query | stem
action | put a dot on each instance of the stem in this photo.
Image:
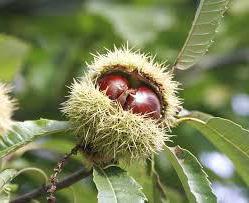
(158, 188)
(73, 178)
(53, 178)
(184, 119)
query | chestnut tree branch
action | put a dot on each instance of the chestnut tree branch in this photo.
(71, 179)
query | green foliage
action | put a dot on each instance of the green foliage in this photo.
(13, 52)
(139, 172)
(206, 21)
(130, 22)
(162, 192)
(115, 186)
(191, 174)
(5, 177)
(25, 132)
(43, 46)
(227, 136)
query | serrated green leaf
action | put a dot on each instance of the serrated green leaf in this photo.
(5, 177)
(206, 21)
(139, 172)
(12, 54)
(191, 174)
(229, 137)
(4, 197)
(115, 186)
(25, 132)
(162, 172)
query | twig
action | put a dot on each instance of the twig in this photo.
(57, 170)
(73, 178)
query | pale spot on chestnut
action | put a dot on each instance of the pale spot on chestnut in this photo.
(113, 85)
(144, 101)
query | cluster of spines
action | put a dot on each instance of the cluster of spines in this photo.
(106, 129)
(147, 67)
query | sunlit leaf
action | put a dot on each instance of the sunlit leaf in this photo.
(12, 54)
(25, 132)
(193, 178)
(115, 186)
(139, 172)
(4, 197)
(5, 177)
(206, 21)
(229, 137)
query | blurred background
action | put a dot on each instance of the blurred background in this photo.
(44, 44)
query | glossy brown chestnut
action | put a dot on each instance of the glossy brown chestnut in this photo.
(141, 100)
(114, 85)
(144, 101)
